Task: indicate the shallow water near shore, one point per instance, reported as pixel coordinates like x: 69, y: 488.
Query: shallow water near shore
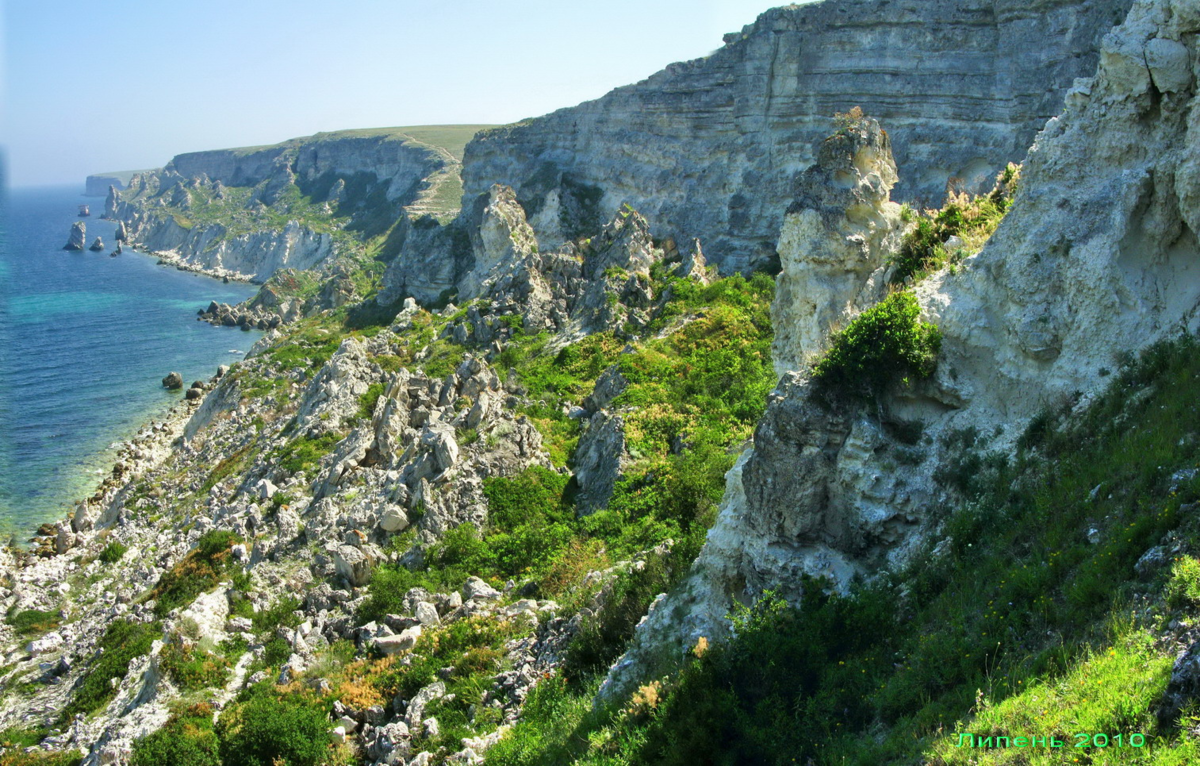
x: 85, y: 340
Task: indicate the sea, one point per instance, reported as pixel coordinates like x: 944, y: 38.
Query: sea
x: 85, y: 340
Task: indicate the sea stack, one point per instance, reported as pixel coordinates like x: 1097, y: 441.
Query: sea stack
x: 78, y: 234
x: 97, y: 245
x: 110, y: 203
x: 121, y: 234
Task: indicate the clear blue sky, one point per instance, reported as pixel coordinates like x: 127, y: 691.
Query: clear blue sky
x: 126, y: 84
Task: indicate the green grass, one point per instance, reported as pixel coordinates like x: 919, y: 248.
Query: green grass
x: 192, y: 668
x: 112, y: 553
x: 304, y: 452
x: 31, y: 621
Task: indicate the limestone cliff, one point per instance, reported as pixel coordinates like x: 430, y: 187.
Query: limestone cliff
x: 1097, y: 258
x: 709, y: 148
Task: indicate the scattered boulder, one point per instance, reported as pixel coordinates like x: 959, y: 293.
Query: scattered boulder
x: 401, y: 642
x: 173, y: 380
x: 477, y: 588
x: 353, y: 564
x: 194, y: 394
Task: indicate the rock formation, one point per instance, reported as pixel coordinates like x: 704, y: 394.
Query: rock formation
x: 97, y: 245
x: 84, y: 211
x: 78, y: 236
x: 834, y: 241
x: 708, y: 148
x: 1096, y: 258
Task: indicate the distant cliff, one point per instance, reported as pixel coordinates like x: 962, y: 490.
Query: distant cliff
x: 709, y: 148
x: 97, y: 185
x: 248, y: 212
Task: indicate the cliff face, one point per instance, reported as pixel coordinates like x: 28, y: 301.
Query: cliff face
x: 248, y: 212
x: 1097, y: 259
x: 709, y: 148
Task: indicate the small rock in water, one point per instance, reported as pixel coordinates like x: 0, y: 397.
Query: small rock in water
x: 173, y: 380
x: 97, y: 245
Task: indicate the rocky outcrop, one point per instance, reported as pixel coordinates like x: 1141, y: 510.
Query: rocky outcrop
x: 78, y: 236
x: 97, y: 245
x: 835, y: 241
x: 709, y: 148
x: 1097, y: 258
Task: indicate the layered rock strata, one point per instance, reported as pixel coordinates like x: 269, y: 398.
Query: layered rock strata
x: 709, y: 148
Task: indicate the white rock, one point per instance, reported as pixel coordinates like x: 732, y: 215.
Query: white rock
x: 46, y: 643
x: 394, y: 520
x: 402, y: 642
x: 477, y: 588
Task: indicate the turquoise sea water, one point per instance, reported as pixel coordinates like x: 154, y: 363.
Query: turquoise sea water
x: 85, y: 340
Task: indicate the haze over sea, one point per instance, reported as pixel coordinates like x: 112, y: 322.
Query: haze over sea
x: 84, y: 342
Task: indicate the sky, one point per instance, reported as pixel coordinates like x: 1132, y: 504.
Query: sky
x: 91, y: 87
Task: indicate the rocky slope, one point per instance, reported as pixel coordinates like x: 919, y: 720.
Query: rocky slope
x: 709, y: 148
x: 1097, y: 259
x: 298, y: 522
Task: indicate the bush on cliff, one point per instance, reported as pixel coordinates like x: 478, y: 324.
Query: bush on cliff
x: 885, y: 343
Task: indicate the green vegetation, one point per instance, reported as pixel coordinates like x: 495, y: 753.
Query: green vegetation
x: 187, y: 739
x: 691, y: 396
x: 193, y: 668
x: 366, y: 402
x: 305, y: 452
x: 268, y: 726
x: 122, y: 642
x: 1184, y: 586
x: 971, y: 219
x: 885, y: 343
x: 199, y: 572
x: 30, y: 621
x: 113, y: 552
x: 1018, y: 619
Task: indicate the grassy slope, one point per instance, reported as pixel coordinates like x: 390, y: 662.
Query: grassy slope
x: 1018, y: 619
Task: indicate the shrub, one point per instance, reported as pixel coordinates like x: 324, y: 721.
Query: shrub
x: 187, y: 739
x: 884, y: 343
x: 193, y: 668
x: 112, y: 553
x: 972, y: 219
x: 198, y: 572
x: 266, y: 730
x: 121, y: 643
